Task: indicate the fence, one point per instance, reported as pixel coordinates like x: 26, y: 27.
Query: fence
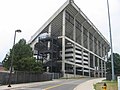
x: 26, y: 77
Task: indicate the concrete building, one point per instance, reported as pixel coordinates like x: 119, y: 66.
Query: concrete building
x: 83, y: 49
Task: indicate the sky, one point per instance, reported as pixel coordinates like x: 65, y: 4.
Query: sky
x: 30, y: 15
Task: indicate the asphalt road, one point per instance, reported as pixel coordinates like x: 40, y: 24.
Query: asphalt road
x: 60, y: 84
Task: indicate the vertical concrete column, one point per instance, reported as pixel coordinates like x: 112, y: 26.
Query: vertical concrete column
x: 74, y: 38
x: 97, y: 47
x: 104, y: 69
x: 105, y: 63
x: 49, y: 30
x: 49, y: 33
x: 48, y: 55
x: 82, y: 35
x: 99, y: 70
x: 94, y: 58
x: 102, y: 65
x: 74, y: 60
x: 103, y: 54
x: 101, y: 50
x: 82, y: 62
x: 98, y: 67
x: 82, y: 51
x: 94, y: 72
x: 88, y: 39
x: 63, y: 44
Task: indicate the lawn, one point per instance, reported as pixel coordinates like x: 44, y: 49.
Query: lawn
x: 111, y: 85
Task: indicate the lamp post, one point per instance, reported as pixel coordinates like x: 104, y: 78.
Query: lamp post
x: 9, y: 79
x: 112, y: 62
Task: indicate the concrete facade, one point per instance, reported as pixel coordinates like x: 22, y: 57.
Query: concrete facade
x: 84, y: 49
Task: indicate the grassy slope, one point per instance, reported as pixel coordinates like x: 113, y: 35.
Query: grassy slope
x: 110, y: 85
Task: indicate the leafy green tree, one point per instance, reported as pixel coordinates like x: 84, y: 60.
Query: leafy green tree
x: 28, y: 64
x: 116, y: 58
x: 23, y: 59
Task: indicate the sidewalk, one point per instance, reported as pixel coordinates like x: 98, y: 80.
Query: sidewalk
x: 14, y: 86
x: 88, y: 85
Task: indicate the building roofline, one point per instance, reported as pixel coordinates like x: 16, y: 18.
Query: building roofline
x: 88, y: 20
x: 60, y: 10
x: 49, y: 20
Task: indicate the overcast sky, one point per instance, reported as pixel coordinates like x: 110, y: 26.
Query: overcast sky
x: 30, y: 15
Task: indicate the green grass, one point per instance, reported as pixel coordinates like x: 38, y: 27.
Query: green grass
x: 111, y: 85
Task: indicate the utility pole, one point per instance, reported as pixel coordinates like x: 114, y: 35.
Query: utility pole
x: 112, y: 62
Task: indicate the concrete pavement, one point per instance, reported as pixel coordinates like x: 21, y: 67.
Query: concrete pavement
x: 15, y: 86
x: 88, y: 85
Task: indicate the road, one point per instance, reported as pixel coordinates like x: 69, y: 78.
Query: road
x: 60, y: 84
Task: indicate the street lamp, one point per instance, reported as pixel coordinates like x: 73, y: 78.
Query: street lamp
x: 9, y: 79
x: 112, y: 62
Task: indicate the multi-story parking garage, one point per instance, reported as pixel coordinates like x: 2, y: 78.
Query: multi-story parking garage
x: 69, y: 43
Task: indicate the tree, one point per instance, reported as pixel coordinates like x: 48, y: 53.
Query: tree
x: 29, y: 64
x: 116, y: 58
x: 23, y: 59
x: 6, y: 62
